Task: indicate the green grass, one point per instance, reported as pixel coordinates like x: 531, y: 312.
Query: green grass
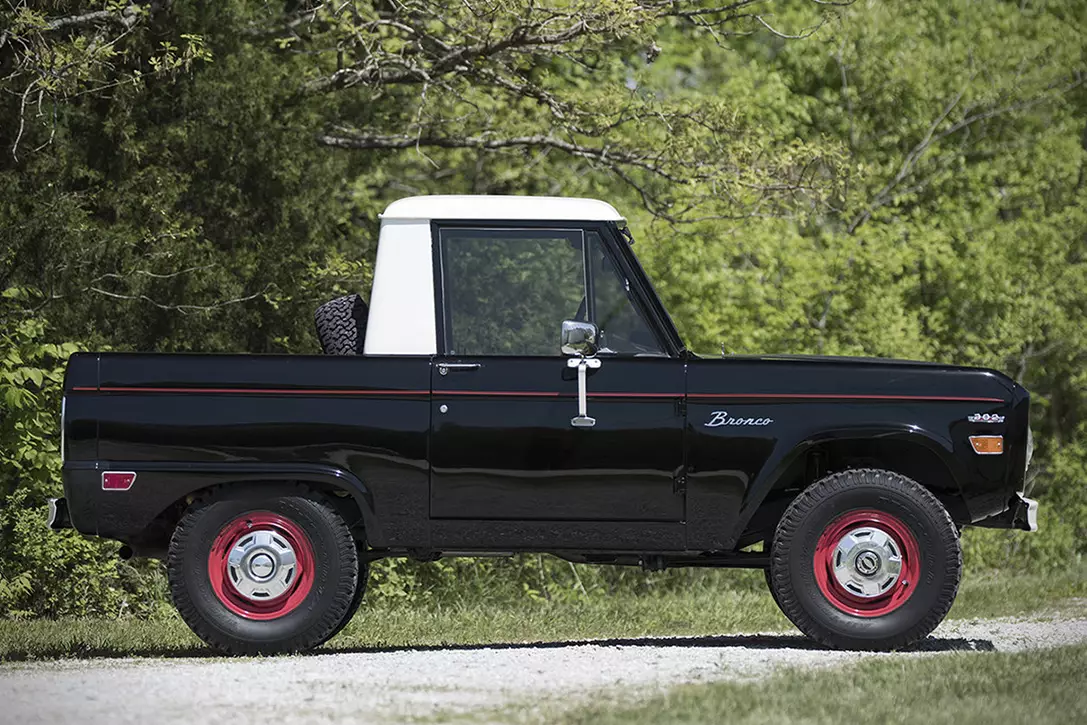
x: 744, y: 607
x: 1038, y: 688
x: 1007, y: 593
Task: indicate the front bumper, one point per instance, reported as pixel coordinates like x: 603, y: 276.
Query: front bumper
x: 1028, y: 513
x: 1022, y: 514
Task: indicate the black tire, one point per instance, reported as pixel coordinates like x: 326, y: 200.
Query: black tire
x: 356, y: 599
x: 341, y: 325
x: 770, y: 586
x: 319, y: 599
x: 822, y: 507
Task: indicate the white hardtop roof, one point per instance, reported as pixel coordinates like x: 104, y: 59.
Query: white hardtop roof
x: 543, y: 208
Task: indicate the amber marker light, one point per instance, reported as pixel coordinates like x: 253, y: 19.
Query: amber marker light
x: 987, y: 445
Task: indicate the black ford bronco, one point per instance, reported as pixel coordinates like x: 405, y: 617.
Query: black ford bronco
x: 515, y: 385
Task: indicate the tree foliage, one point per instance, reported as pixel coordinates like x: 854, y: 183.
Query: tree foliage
x: 876, y: 178
x: 535, y: 77
x: 959, y: 233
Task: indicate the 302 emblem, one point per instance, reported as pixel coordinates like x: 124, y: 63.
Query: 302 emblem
x: 721, y: 417
x: 985, y: 418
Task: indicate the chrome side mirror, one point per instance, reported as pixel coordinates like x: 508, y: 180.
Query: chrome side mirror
x: 579, y: 338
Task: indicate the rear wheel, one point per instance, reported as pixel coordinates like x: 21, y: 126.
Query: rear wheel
x: 865, y: 559
x: 263, y: 573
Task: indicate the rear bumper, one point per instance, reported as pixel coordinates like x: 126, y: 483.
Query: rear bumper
x: 1022, y: 514
x: 58, y: 514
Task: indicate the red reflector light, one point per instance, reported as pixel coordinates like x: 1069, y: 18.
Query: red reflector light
x: 117, y: 480
x: 987, y: 445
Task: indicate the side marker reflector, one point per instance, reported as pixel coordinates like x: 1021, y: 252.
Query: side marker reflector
x: 987, y: 445
x: 117, y: 480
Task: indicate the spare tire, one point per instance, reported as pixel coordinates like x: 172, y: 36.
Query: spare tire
x: 341, y: 325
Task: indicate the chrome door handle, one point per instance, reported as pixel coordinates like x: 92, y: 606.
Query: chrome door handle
x: 444, y: 368
x: 582, y: 419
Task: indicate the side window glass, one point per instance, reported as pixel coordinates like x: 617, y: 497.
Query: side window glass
x: 507, y: 291
x: 623, y: 330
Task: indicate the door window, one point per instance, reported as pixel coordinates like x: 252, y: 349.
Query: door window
x: 623, y: 330
x: 507, y: 291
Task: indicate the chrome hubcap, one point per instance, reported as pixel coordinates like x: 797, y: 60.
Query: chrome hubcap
x: 262, y: 566
x: 867, y: 562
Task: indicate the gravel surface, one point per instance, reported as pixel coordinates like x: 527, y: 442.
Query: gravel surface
x: 385, y: 686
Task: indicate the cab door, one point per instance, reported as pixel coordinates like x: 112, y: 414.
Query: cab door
x: 505, y: 445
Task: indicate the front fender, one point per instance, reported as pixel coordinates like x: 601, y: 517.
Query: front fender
x: 785, y: 457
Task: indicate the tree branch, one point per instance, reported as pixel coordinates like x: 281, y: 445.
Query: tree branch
x: 126, y: 17
x: 184, y: 309
x: 399, y: 142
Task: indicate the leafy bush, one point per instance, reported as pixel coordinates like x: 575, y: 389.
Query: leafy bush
x: 43, y: 572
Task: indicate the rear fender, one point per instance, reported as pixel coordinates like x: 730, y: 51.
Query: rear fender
x: 159, y: 485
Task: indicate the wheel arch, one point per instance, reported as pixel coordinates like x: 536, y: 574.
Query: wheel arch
x: 909, y: 450
x: 186, y: 483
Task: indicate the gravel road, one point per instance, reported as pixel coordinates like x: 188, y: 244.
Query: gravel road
x: 395, y: 685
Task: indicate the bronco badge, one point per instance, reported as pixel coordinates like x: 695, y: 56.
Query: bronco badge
x: 721, y: 417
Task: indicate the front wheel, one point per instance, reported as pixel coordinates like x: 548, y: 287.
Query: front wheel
x: 263, y: 573
x: 865, y: 559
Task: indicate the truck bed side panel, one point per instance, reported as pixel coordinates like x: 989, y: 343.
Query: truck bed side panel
x: 368, y: 417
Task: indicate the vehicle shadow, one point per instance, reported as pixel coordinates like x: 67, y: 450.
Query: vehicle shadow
x: 744, y: 641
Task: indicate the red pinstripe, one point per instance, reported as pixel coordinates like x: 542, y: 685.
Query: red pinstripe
x: 252, y: 391
x: 539, y: 394
x: 846, y: 396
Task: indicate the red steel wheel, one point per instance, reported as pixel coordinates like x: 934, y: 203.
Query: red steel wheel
x: 263, y: 568
x: 261, y: 565
x: 867, y: 563
x: 865, y: 559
